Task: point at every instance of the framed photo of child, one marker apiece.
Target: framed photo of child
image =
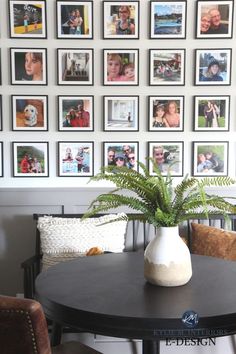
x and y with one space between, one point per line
213 67
166 67
166 113
211 113
168 19
75 158
29 113
28 19
30 159
121 113
1 159
121 19
74 19
121 67
75 113
214 19
168 157
210 158
121 154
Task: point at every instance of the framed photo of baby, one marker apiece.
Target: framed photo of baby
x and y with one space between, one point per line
211 113
214 19
121 154
210 158
1 159
121 67
166 113
121 19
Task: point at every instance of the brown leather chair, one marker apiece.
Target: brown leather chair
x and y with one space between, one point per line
23 330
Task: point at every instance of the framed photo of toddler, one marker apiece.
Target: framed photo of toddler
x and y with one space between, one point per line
121 67
214 19
166 113
211 113
121 154
210 158
75 158
1 159
121 19
213 67
167 156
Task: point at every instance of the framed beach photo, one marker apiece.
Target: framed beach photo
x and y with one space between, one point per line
121 154
75 67
1 159
121 67
120 19
168 156
168 19
210 158
166 113
28 66
213 67
121 113
28 19
30 159
75 19
29 113
75 113
211 113
75 159
166 67
214 19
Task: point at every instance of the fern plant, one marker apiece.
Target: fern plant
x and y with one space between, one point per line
155 198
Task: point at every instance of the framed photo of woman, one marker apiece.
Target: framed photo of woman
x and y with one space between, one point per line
211 113
1 159
121 154
121 19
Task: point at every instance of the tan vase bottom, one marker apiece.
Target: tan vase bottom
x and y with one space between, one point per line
173 275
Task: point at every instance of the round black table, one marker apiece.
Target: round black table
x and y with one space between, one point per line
108 295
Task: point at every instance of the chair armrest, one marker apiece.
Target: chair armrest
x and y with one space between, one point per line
31 267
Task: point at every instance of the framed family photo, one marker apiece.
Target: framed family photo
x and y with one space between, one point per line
30 159
210 158
214 19
75 113
75 19
28 66
121 67
28 19
213 67
166 113
121 154
75 67
1 159
120 19
168 157
121 113
29 113
166 67
75 159
168 19
211 113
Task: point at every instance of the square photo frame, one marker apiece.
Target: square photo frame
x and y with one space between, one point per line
29 113
121 154
166 67
213 67
168 19
168 156
28 19
30 159
75 66
120 19
76 113
28 66
1 159
121 67
166 113
210 158
75 159
211 113
214 19
121 113
75 19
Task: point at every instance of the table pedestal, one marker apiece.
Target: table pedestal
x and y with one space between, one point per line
151 347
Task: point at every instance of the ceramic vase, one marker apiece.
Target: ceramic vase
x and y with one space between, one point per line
167 260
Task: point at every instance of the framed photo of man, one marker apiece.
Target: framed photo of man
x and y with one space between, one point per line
121 154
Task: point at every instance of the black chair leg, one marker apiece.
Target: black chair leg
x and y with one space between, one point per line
56 334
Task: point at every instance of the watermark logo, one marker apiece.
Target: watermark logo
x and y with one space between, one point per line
190 319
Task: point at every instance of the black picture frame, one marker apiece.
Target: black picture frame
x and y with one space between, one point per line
121 150
1 160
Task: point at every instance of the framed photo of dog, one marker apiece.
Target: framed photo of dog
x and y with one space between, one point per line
29 113
1 159
121 154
